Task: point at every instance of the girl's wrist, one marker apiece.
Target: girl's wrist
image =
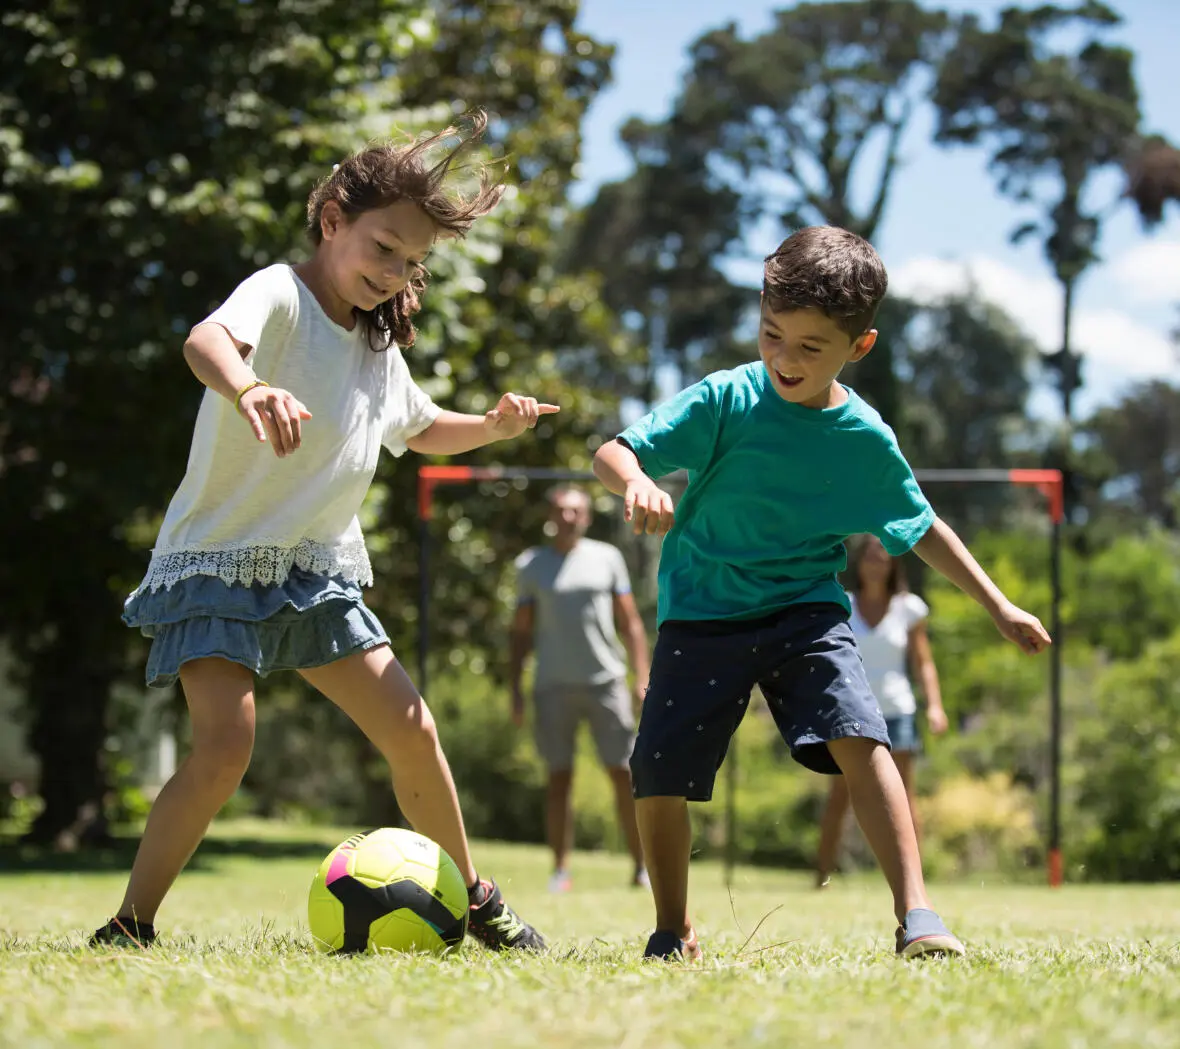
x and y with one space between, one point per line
252 385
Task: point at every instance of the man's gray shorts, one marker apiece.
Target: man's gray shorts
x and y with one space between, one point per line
560 709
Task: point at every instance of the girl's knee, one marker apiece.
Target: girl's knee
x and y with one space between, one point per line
414 735
224 754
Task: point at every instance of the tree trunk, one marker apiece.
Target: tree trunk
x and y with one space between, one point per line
69 688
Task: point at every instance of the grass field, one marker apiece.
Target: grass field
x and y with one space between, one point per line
1086 966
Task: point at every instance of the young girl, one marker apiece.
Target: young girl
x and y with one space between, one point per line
260 560
890 627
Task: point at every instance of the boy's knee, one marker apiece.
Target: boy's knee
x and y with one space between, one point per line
856 755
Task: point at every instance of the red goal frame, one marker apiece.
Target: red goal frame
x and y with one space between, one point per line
1049 482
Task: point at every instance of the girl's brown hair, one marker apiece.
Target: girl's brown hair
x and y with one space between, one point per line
386 173
857 548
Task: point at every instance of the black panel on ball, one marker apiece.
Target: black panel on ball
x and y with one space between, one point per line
363 905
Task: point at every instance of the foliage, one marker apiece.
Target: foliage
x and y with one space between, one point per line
1131 787
1048 116
122 232
957 371
1132 461
776 130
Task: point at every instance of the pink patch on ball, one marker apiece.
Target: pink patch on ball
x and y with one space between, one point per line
339 866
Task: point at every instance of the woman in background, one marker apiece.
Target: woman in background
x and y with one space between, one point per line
890 627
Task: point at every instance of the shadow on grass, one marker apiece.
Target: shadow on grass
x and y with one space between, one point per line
16 858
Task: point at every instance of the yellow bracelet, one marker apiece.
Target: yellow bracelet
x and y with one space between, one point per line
245 390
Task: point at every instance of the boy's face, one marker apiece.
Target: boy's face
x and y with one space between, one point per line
803 352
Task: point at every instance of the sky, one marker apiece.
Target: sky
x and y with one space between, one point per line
946 226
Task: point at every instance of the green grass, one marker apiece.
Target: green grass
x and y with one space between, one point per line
1075 967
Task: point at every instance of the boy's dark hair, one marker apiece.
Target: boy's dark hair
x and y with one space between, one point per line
388 172
828 269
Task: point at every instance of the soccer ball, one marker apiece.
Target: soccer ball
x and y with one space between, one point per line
387 890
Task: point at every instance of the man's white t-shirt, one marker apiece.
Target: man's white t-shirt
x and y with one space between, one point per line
884 648
245 515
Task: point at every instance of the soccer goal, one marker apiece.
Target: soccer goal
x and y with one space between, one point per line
1048 482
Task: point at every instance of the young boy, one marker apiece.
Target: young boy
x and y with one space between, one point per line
784 463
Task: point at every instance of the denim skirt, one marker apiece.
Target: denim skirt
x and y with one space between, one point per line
307 620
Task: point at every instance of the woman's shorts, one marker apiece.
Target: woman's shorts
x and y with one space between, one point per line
903 733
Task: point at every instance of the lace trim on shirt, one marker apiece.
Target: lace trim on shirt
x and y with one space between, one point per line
261 564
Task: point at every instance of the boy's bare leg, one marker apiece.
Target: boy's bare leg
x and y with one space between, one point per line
883 812
666 833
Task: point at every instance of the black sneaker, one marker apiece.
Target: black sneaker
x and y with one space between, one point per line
668 947
124 932
496 925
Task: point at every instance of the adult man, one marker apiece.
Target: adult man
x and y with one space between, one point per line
574 601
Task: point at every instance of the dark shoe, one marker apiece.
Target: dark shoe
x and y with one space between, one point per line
669 947
124 932
923 933
496 925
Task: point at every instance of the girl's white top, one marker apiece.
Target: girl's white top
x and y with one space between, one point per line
243 514
883 649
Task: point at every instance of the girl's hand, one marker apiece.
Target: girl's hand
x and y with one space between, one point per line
274 415
1022 628
514 414
648 506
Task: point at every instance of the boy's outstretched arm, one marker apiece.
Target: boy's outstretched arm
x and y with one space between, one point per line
944 551
645 504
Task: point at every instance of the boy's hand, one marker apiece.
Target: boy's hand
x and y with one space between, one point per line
274 415
648 507
1022 628
514 414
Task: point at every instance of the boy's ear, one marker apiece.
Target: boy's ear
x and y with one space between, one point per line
864 343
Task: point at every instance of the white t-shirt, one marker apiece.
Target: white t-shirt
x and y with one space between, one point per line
883 649
245 515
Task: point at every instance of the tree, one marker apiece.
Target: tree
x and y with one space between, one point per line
120 232
782 130
1153 177
1134 454
963 367
1050 117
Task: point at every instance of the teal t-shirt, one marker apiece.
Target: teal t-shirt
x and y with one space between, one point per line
774 490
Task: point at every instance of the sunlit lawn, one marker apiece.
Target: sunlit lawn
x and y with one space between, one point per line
1075 967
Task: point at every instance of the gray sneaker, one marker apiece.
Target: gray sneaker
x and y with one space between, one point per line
923 933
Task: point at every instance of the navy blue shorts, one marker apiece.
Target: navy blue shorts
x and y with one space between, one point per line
805 660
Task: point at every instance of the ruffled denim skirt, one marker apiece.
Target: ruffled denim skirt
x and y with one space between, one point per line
305 621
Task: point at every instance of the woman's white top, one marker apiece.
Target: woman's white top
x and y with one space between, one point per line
243 514
884 648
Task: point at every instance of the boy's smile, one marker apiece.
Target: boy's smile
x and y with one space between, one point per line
803 351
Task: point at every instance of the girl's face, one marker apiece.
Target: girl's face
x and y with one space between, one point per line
374 255
875 563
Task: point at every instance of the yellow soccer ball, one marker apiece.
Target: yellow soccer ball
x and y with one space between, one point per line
387 890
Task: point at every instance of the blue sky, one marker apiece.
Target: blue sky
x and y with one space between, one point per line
946 224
